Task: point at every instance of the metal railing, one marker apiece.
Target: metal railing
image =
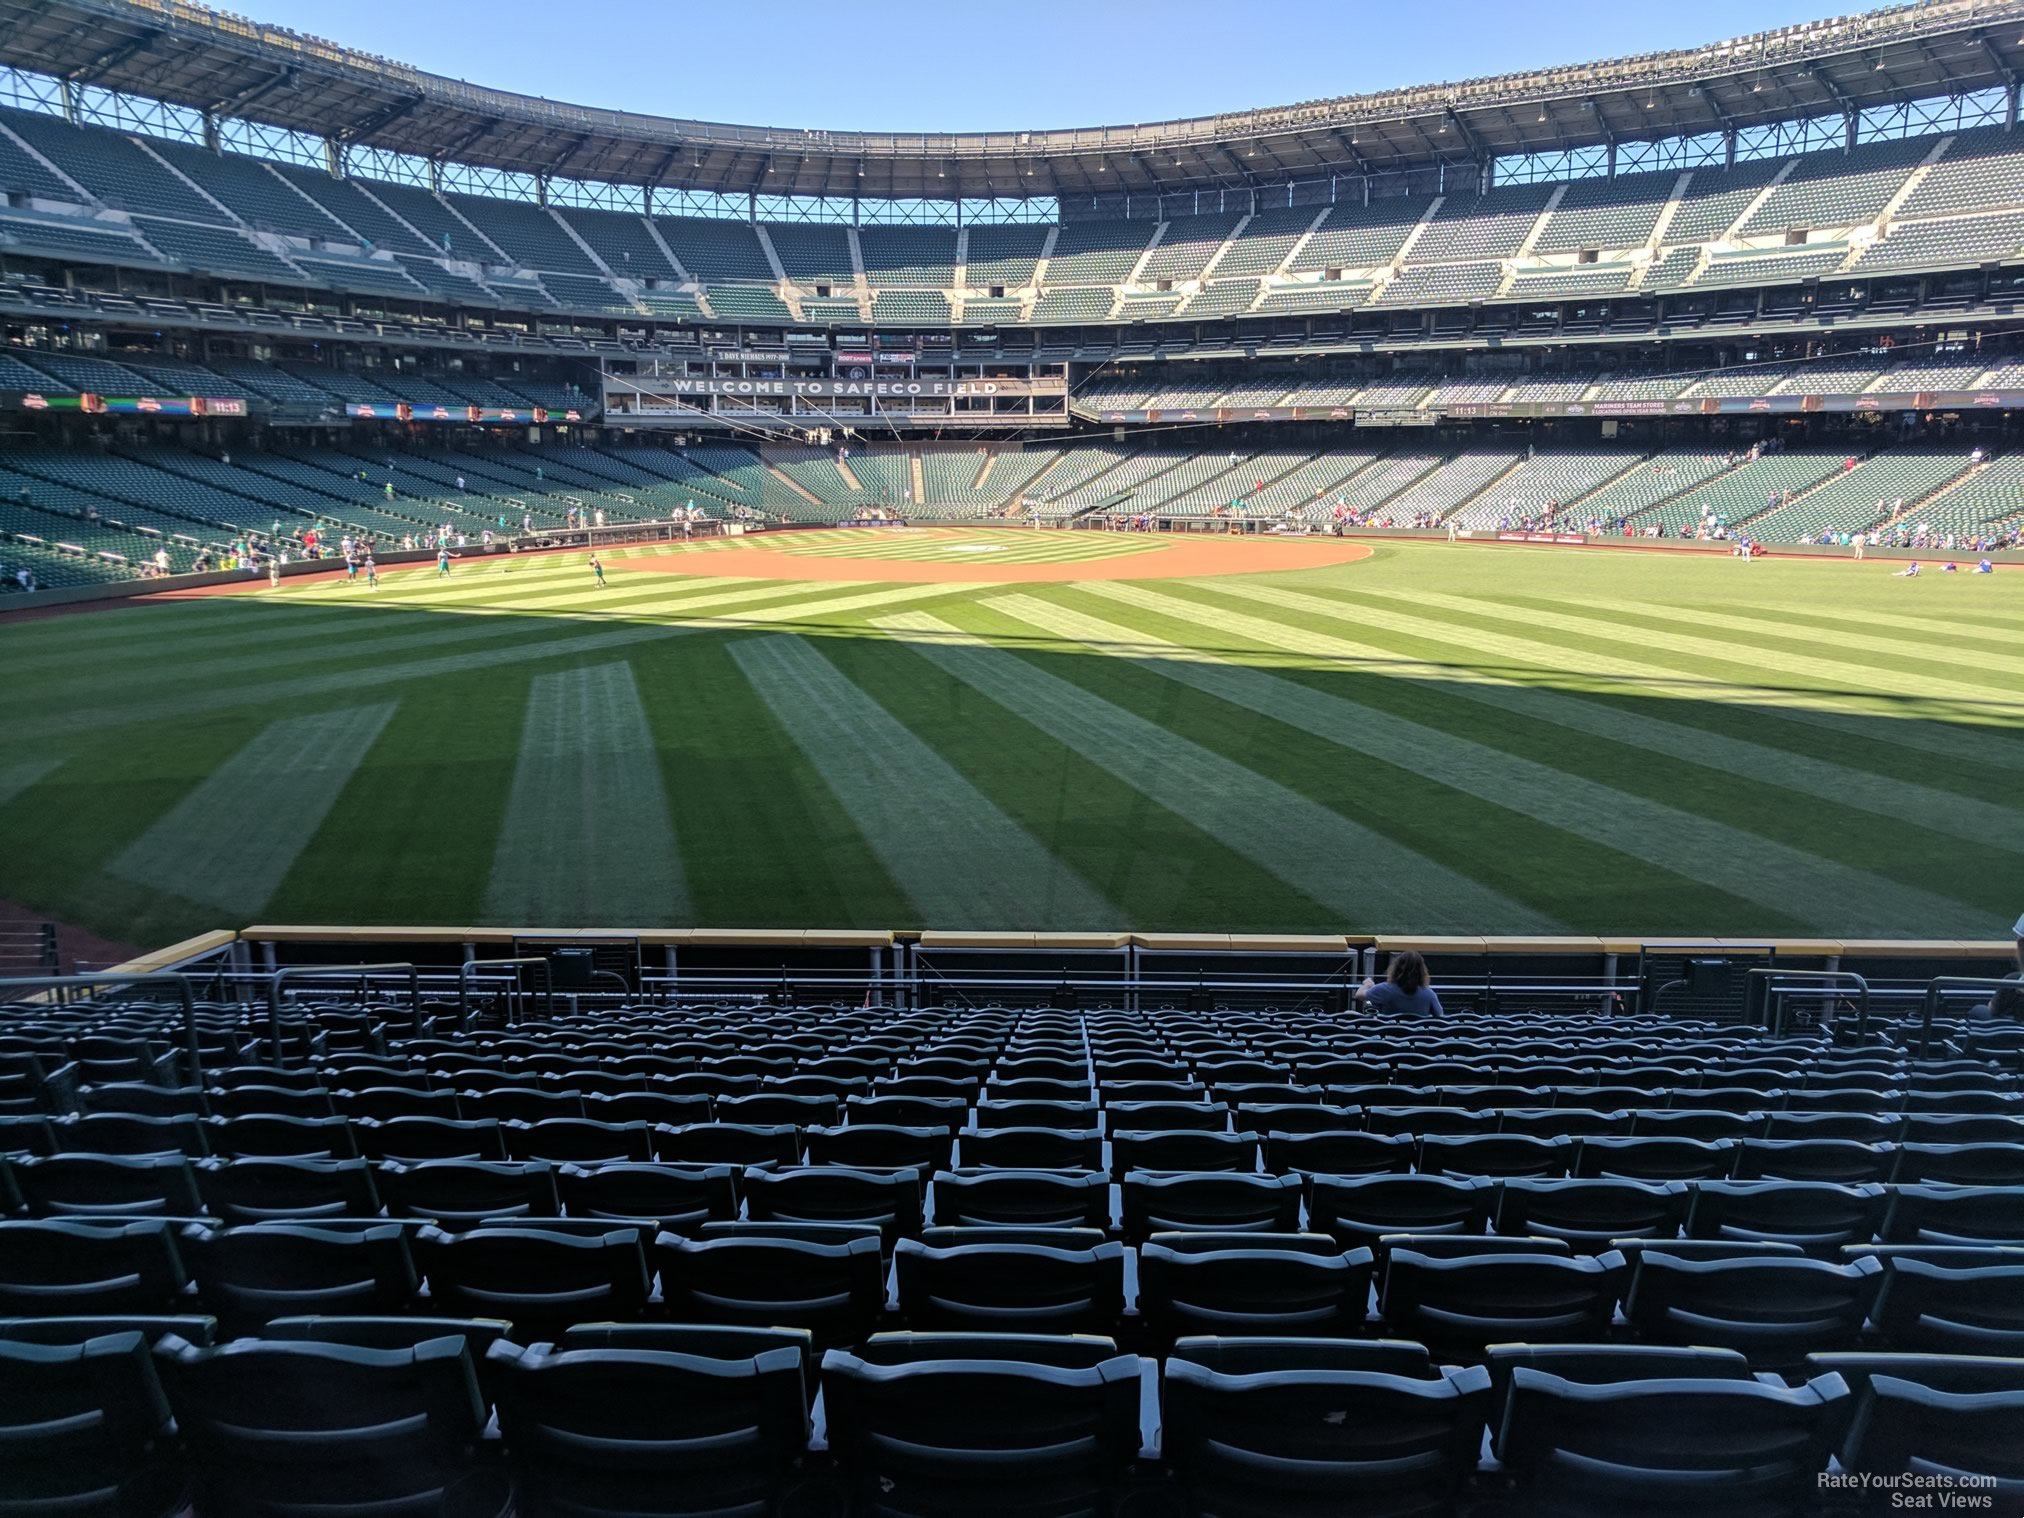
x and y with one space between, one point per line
511 984
1940 986
184 993
360 973
1774 994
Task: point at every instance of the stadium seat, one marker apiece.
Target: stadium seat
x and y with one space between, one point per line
620 1430
1973 1164
540 1280
835 1290
729 1144
1771 1309
882 1146
1972 1309
1264 1428
1604 1365
985 1281
1660 1158
578 1141
1971 1441
1182 1149
193 1327
257 1191
286 1427
1495 1154
678 1198
105 1185
1362 1209
458 1193
1154 1202
1285 1284
1592 1213
84 1429
1022 1199
1031 1148
1816 1215
131 1133
889 1200
68 1267
1331 1152
1954 1215
1665 1447
411 1139
247 1276
1468 1301
984 1436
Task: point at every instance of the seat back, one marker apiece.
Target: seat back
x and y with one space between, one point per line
84 1428
295 1428
982 1436
1666 1447
1314 1442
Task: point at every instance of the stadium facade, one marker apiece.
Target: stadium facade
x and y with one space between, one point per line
1583 292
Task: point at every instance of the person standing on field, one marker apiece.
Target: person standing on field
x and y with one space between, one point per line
597 568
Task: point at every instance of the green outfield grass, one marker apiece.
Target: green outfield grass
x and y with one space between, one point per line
1437 739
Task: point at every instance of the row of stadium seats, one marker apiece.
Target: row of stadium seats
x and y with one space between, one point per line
1952 201
1859 374
1458 1293
946 1334
380 1415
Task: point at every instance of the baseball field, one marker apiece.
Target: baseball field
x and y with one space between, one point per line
946 727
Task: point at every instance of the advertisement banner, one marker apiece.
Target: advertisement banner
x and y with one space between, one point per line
126 405
817 389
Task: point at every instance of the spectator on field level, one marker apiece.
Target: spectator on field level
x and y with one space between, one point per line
1405 989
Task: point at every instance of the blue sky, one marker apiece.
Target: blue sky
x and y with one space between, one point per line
880 65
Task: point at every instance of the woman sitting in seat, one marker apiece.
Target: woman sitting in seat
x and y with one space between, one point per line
1404 991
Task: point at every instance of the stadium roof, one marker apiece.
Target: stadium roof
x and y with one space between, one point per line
229 66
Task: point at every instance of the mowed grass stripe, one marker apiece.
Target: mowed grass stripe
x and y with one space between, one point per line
1928 651
1834 674
961 861
1965 817
230 842
586 836
258 624
1991 650
1598 667
305 687
1347 867
1155 863
522 624
16 778
1743 864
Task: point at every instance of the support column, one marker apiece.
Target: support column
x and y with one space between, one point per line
1729 148
2010 105
210 131
69 98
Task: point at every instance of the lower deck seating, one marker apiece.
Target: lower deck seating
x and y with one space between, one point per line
693 1259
